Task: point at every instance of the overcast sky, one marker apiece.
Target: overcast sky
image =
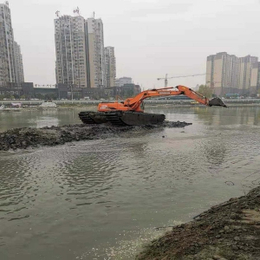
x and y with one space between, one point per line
151 37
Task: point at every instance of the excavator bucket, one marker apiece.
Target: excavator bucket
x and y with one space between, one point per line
217 102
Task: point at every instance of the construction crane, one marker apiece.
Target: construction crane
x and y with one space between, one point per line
57 13
76 11
183 76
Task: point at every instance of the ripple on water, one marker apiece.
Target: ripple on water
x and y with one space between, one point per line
91 175
16 182
82 174
87 193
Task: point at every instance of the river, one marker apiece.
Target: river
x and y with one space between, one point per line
103 199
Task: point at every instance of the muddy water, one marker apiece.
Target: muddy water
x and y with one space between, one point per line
102 199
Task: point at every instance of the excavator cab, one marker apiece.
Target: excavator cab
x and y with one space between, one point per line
216 101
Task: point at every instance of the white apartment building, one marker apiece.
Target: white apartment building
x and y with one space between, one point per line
71 55
96 54
18 61
7 63
229 74
80 58
248 73
110 68
122 81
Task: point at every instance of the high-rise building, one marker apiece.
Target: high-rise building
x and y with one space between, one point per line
7 63
95 51
122 81
18 61
248 74
71 55
110 68
229 74
80 59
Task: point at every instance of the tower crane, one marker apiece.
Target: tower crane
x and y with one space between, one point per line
76 11
57 13
184 76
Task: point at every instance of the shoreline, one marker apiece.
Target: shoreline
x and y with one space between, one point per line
227 231
93 106
23 138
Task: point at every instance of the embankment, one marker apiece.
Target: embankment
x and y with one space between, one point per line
230 231
22 138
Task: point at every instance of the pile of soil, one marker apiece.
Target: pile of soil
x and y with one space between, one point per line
227 231
22 138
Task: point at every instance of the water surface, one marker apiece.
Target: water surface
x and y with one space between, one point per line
102 199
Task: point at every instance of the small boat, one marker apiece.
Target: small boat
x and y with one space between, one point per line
9 109
16 105
47 104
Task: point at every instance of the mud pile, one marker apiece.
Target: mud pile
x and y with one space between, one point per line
21 138
228 231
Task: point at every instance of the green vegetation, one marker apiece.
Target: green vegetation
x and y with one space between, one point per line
129 93
7 96
205 91
46 96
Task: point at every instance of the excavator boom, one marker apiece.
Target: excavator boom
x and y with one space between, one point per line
134 104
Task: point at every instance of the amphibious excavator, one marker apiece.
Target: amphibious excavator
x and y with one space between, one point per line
130 112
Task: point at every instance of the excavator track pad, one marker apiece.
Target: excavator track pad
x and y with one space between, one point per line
121 118
90 117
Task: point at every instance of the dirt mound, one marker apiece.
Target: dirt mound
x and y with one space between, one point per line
21 138
227 231
175 124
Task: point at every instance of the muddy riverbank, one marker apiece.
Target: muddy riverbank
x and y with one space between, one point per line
22 138
227 231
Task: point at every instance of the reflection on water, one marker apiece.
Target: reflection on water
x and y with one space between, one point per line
37 118
234 115
103 198
44 120
214 115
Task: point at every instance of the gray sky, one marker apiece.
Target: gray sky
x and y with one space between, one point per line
151 37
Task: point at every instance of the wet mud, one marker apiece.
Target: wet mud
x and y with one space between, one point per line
230 230
22 138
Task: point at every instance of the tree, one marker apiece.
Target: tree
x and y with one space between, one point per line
128 93
205 91
258 92
39 96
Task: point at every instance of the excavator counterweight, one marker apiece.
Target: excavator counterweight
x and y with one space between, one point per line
130 111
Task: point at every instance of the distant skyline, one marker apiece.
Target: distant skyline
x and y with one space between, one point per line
231 74
151 37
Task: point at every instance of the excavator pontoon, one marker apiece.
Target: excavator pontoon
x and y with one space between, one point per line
130 112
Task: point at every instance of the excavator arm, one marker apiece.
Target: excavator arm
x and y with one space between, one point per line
216 101
134 104
169 91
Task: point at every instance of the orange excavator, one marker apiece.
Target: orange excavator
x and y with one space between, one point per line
130 112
